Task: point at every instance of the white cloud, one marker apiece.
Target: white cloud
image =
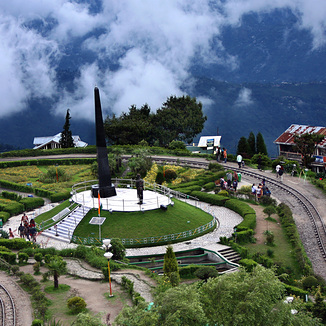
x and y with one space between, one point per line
153 42
244 97
25 66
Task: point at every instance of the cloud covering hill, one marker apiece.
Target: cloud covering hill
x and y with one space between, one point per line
54 52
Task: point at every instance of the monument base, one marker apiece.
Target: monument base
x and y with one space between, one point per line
105 192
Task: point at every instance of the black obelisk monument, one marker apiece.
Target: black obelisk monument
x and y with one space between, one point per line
104 175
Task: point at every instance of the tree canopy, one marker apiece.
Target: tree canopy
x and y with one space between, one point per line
179 118
66 139
306 144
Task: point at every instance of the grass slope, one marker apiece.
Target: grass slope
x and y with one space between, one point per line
180 217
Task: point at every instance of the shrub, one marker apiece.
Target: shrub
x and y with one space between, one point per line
249 222
210 198
215 167
76 304
205 272
9 257
4 216
293 290
267 201
170 175
188 271
37 322
15 244
13 208
269 210
223 193
269 237
239 207
38 257
209 186
36 268
11 195
159 177
248 264
4 234
309 282
32 203
245 236
22 257
177 144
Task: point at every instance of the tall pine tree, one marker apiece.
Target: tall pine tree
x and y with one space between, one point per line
260 144
66 139
252 144
170 266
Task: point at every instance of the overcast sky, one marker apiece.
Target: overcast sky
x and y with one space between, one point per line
153 43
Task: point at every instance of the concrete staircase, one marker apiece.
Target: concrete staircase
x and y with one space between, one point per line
230 255
64 229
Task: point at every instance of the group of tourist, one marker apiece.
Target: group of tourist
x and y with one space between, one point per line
27 229
221 154
260 190
231 182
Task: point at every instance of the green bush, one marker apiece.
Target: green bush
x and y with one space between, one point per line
248 264
76 304
209 186
22 257
31 203
159 177
38 257
293 290
188 271
249 222
223 193
13 208
309 282
239 207
206 272
245 236
4 234
11 195
37 322
9 257
15 244
265 160
4 216
210 198
215 167
56 197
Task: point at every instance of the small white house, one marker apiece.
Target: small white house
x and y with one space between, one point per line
51 142
209 142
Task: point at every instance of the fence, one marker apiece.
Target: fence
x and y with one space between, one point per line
129 184
157 240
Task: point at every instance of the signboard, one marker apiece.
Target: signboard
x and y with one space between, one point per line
97 220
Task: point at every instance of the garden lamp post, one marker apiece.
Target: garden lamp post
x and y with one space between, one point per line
108 255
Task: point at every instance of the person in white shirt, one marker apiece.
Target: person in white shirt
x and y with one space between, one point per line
239 160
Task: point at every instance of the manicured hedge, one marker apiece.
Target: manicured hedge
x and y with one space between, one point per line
188 271
4 216
210 198
248 264
32 202
189 190
293 290
16 244
239 207
9 257
11 195
245 236
15 186
60 196
13 208
249 222
209 186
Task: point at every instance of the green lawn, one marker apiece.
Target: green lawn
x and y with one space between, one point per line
282 249
180 217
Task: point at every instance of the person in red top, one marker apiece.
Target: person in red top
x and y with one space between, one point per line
11 235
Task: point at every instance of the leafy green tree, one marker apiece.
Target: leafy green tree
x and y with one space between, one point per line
180 118
138 315
118 249
66 139
170 266
130 128
269 210
85 319
252 144
319 306
57 266
242 298
181 306
260 144
306 145
140 162
243 147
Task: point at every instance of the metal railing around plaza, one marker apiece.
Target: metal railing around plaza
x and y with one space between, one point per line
157 240
129 184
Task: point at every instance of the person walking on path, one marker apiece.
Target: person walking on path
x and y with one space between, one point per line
239 160
225 155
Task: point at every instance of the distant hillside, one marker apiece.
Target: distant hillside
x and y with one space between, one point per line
238 109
